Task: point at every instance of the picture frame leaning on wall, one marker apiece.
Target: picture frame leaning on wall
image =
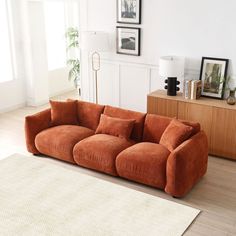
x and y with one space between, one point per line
213 73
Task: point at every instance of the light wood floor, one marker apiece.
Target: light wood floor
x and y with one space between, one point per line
214 195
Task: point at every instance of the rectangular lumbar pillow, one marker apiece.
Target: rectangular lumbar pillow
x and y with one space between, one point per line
64 113
115 126
175 134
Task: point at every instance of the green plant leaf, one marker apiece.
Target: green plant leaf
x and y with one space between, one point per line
72 37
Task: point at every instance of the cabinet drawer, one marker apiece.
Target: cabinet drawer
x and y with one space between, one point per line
163 107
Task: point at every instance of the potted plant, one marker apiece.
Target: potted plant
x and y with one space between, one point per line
72 38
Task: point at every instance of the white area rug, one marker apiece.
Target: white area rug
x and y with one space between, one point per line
41 198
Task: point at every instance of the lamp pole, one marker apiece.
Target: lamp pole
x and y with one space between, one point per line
95 42
96 68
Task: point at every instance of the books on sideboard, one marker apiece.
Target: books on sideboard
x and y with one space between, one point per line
192 89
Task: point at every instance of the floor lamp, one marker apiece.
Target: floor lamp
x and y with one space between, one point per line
95 42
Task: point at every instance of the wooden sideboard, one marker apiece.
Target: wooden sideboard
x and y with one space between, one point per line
217 118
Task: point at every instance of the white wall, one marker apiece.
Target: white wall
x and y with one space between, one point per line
58 82
12 95
185 28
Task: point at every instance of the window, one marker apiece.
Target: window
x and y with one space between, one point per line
6 62
55 33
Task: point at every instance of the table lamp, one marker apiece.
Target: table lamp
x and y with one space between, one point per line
171 68
95 42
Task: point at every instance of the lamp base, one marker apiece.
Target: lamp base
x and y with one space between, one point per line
171 86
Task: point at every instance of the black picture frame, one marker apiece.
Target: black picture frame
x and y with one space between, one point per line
129 45
129 20
212 74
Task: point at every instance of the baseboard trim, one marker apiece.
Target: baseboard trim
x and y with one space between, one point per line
31 103
61 92
36 104
12 108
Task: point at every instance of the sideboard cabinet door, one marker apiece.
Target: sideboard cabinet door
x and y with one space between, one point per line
217 118
197 113
223 138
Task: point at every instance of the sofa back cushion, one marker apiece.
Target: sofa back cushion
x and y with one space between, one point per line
121 128
88 114
139 118
155 126
63 113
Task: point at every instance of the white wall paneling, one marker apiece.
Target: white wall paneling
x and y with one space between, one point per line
126 84
134 87
183 28
108 84
156 82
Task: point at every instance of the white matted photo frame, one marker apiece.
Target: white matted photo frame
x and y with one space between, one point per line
128 40
213 74
129 11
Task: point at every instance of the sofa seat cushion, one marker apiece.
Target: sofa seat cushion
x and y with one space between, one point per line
59 141
99 152
144 163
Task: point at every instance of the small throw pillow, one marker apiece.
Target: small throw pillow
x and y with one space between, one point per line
175 134
115 126
64 113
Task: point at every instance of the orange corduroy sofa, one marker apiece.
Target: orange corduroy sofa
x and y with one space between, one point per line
140 158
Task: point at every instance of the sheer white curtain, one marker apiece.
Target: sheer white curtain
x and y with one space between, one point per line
6 62
59 15
55 24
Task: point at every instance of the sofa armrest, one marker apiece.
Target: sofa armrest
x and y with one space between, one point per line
186 165
35 124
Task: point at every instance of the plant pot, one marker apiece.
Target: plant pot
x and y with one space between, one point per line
231 100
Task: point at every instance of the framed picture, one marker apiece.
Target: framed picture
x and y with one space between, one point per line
128 40
213 74
129 11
